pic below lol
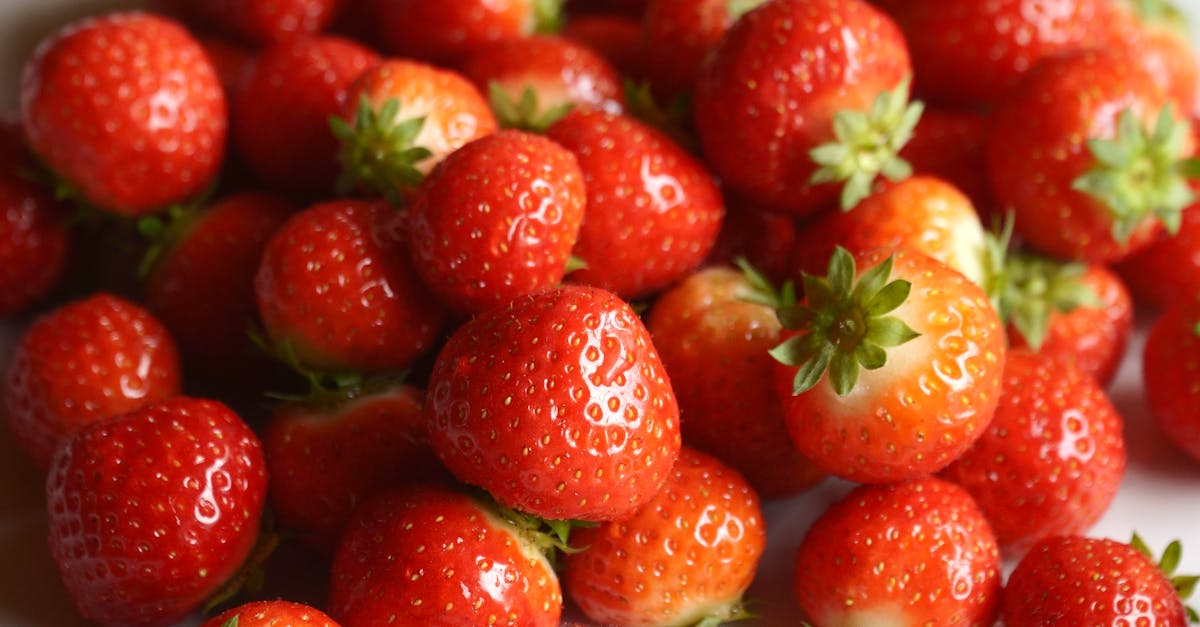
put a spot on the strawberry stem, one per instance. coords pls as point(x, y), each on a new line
point(524, 113)
point(547, 16)
point(1035, 288)
point(378, 151)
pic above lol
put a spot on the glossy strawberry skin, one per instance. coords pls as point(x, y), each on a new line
point(558, 405)
point(34, 240)
point(935, 395)
point(281, 111)
point(770, 92)
point(264, 22)
point(1169, 267)
point(687, 554)
point(1075, 580)
point(1169, 374)
point(653, 210)
point(1053, 457)
point(438, 557)
point(127, 108)
point(677, 37)
point(326, 458)
point(617, 38)
point(141, 503)
point(908, 553)
point(1162, 48)
point(83, 362)
point(336, 283)
point(497, 220)
point(447, 31)
point(274, 613)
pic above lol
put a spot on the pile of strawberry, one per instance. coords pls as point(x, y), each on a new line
point(501, 306)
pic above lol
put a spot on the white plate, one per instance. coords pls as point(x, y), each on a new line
point(1159, 498)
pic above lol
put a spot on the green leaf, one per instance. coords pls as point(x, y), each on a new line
point(873, 280)
point(889, 298)
point(817, 292)
point(870, 356)
point(856, 188)
point(1140, 545)
point(796, 317)
point(841, 272)
point(889, 331)
point(896, 168)
point(831, 154)
point(1169, 561)
point(843, 372)
point(793, 351)
point(738, 8)
point(809, 373)
point(232, 622)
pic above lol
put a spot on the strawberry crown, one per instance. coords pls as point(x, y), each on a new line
point(867, 144)
point(672, 119)
point(1160, 13)
point(547, 16)
point(1168, 563)
point(738, 8)
point(378, 150)
point(1138, 175)
point(1035, 288)
point(524, 114)
point(843, 325)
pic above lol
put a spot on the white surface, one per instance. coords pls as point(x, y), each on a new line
point(1160, 496)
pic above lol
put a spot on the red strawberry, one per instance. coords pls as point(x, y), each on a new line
point(432, 556)
point(806, 99)
point(713, 331)
point(281, 111)
point(1073, 580)
point(1053, 457)
point(446, 31)
point(971, 51)
point(327, 455)
point(888, 415)
point(263, 21)
point(949, 144)
point(1168, 267)
point(336, 290)
point(82, 362)
point(276, 613)
point(558, 405)
point(684, 557)
point(400, 119)
point(653, 210)
point(1171, 373)
point(678, 35)
point(1090, 157)
point(127, 109)
point(616, 38)
point(497, 220)
point(153, 511)
point(231, 61)
point(34, 238)
point(912, 553)
point(1156, 34)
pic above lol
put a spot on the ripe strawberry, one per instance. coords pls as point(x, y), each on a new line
point(34, 237)
point(910, 553)
point(1006, 38)
point(1073, 580)
point(446, 31)
point(684, 557)
point(261, 22)
point(331, 453)
point(400, 119)
point(1168, 267)
point(1156, 34)
point(497, 220)
point(533, 81)
point(81, 363)
point(791, 114)
point(1090, 157)
point(280, 113)
point(153, 511)
point(276, 613)
point(888, 415)
point(653, 210)
point(1053, 457)
point(614, 37)
point(127, 109)
point(713, 331)
point(558, 405)
point(337, 292)
point(949, 144)
point(433, 556)
point(1171, 376)
point(678, 35)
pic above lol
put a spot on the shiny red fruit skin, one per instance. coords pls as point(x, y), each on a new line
point(142, 504)
point(433, 556)
point(1169, 267)
point(127, 108)
point(34, 240)
point(1171, 374)
point(558, 405)
point(677, 37)
point(446, 31)
point(264, 22)
point(274, 613)
point(83, 362)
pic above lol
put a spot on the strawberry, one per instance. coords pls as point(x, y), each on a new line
point(1090, 157)
point(151, 512)
point(1053, 457)
point(432, 556)
point(533, 81)
point(1156, 34)
point(713, 336)
point(614, 37)
point(336, 290)
point(263, 22)
point(275, 613)
point(497, 220)
point(911, 553)
point(791, 114)
point(949, 144)
point(81, 363)
point(1073, 580)
point(280, 111)
point(763, 238)
point(1006, 38)
point(1168, 267)
point(557, 404)
point(873, 415)
point(446, 31)
point(328, 454)
point(127, 109)
point(678, 35)
point(684, 557)
point(1170, 373)
point(653, 210)
point(400, 119)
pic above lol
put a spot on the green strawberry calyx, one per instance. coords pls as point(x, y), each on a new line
point(378, 150)
point(843, 325)
point(1168, 563)
point(673, 118)
point(1161, 14)
point(738, 8)
point(1139, 175)
point(761, 291)
point(525, 113)
point(324, 389)
point(1035, 288)
point(547, 16)
point(867, 144)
